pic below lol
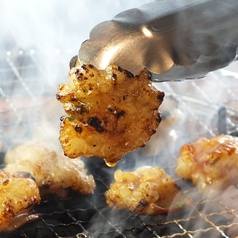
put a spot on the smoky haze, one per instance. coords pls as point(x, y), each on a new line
point(37, 40)
point(53, 25)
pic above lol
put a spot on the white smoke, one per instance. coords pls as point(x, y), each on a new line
point(54, 30)
point(51, 25)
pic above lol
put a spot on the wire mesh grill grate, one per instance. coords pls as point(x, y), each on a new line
point(26, 87)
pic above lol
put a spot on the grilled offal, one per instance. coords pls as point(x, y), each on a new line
point(52, 171)
point(146, 190)
point(17, 195)
point(109, 112)
point(211, 164)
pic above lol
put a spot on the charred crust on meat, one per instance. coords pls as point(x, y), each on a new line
point(119, 114)
point(90, 86)
point(78, 128)
point(114, 76)
point(119, 69)
point(62, 118)
point(143, 145)
point(83, 66)
point(110, 109)
point(5, 182)
point(161, 96)
point(81, 110)
point(116, 113)
point(73, 99)
point(154, 131)
point(141, 204)
point(159, 118)
point(78, 74)
point(149, 75)
point(129, 74)
point(96, 123)
point(107, 107)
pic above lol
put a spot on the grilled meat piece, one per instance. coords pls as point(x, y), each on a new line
point(17, 195)
point(110, 112)
point(211, 164)
point(146, 190)
point(52, 171)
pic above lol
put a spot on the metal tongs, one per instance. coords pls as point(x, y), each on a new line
point(173, 39)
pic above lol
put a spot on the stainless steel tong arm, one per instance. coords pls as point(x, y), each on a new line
point(173, 39)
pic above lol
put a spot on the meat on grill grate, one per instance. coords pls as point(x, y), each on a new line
point(89, 216)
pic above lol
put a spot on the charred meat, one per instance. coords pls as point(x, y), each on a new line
point(146, 190)
point(17, 195)
point(109, 112)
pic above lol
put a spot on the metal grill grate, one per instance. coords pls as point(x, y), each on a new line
point(26, 87)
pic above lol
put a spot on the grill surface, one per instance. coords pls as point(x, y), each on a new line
point(26, 89)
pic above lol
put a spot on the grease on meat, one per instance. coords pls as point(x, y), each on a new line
point(211, 164)
point(146, 190)
point(17, 195)
point(52, 171)
point(110, 112)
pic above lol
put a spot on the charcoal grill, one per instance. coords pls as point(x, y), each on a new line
point(27, 99)
point(202, 103)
